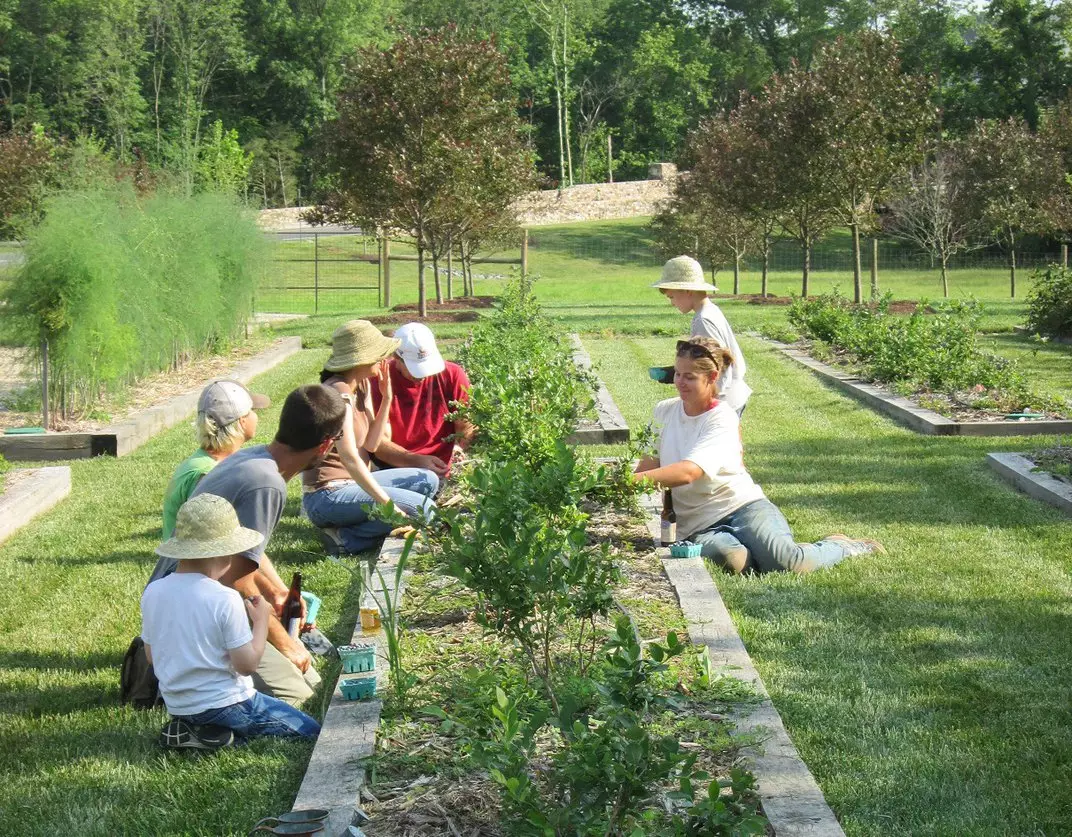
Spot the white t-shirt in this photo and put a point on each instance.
(711, 440)
(709, 321)
(190, 622)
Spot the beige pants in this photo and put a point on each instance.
(279, 677)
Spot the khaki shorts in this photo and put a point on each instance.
(279, 677)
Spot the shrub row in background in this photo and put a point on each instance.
(931, 351)
(122, 286)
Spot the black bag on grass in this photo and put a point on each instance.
(138, 685)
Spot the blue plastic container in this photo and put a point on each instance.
(358, 688)
(685, 549)
(357, 658)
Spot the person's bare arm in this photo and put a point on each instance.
(672, 476)
(355, 465)
(148, 653)
(246, 658)
(392, 454)
(379, 428)
(464, 431)
(243, 577)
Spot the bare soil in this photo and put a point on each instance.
(460, 303)
(431, 317)
(148, 392)
(897, 306)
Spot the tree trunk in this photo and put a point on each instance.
(565, 91)
(438, 285)
(857, 273)
(450, 269)
(422, 303)
(1012, 272)
(766, 265)
(945, 277)
(1064, 255)
(874, 268)
(806, 273)
(736, 275)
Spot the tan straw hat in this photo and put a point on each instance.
(207, 527)
(356, 343)
(683, 273)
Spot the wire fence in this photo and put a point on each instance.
(318, 272)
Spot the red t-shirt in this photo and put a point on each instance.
(420, 408)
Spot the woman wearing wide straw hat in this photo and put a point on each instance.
(340, 490)
(715, 499)
(683, 283)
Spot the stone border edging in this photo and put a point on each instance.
(126, 436)
(35, 492)
(1019, 470)
(917, 418)
(610, 427)
(336, 770)
(791, 798)
(1024, 331)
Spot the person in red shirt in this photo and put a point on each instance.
(425, 390)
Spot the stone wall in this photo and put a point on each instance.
(589, 202)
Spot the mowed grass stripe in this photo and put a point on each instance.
(930, 690)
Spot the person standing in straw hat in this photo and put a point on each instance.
(204, 641)
(340, 490)
(683, 283)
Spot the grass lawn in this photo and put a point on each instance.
(930, 690)
(72, 761)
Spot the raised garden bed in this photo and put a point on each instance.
(25, 494)
(608, 427)
(910, 413)
(791, 798)
(1023, 473)
(120, 438)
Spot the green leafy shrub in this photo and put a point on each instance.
(122, 287)
(527, 393)
(1050, 302)
(936, 352)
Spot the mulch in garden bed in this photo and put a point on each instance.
(460, 303)
(419, 786)
(1055, 460)
(431, 317)
(897, 306)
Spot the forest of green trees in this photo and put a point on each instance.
(178, 85)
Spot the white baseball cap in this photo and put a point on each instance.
(418, 350)
(227, 401)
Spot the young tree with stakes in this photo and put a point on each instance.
(424, 126)
(877, 127)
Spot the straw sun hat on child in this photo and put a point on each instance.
(683, 273)
(357, 343)
(207, 527)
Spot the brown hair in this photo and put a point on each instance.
(706, 353)
(311, 415)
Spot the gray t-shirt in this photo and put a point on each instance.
(250, 481)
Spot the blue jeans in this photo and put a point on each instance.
(347, 506)
(260, 715)
(761, 528)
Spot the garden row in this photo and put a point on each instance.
(534, 678)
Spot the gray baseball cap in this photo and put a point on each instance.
(226, 401)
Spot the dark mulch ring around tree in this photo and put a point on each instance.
(897, 306)
(1055, 460)
(460, 303)
(431, 317)
(421, 780)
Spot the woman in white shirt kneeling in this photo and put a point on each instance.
(700, 459)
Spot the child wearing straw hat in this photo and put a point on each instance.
(204, 642)
(683, 283)
(340, 490)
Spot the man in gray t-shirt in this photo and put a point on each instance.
(254, 481)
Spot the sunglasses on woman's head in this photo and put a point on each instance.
(694, 350)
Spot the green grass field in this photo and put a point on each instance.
(930, 691)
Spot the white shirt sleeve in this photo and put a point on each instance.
(718, 447)
(233, 622)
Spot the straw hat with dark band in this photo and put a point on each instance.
(356, 343)
(207, 527)
(683, 273)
